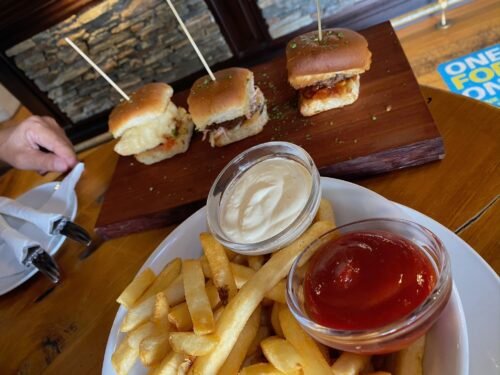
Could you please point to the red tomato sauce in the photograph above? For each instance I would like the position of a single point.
(366, 280)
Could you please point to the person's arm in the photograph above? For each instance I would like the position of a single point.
(20, 146)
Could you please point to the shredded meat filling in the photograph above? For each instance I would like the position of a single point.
(228, 124)
(255, 107)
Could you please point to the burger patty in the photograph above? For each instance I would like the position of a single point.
(230, 124)
(335, 85)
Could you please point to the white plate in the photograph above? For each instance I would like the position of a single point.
(12, 273)
(447, 350)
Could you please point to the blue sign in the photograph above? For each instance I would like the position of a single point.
(476, 75)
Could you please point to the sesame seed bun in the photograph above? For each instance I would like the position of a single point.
(341, 51)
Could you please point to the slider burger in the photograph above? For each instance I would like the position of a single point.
(228, 109)
(326, 72)
(150, 126)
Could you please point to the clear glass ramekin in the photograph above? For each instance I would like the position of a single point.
(398, 334)
(235, 169)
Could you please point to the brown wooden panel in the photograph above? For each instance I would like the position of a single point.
(361, 139)
(242, 24)
(21, 19)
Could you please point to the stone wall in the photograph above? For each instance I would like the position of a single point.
(133, 41)
(286, 16)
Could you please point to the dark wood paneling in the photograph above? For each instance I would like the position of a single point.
(21, 19)
(242, 24)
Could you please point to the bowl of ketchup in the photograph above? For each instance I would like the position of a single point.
(373, 286)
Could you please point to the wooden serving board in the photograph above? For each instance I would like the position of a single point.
(389, 127)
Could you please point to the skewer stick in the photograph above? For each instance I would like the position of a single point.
(318, 10)
(93, 65)
(191, 40)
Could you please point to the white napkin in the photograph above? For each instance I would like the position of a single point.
(44, 221)
(43, 218)
(64, 190)
(16, 242)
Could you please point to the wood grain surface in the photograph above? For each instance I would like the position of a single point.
(388, 128)
(474, 25)
(63, 329)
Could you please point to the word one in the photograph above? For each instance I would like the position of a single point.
(476, 75)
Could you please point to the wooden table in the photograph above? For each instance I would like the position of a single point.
(63, 329)
(475, 25)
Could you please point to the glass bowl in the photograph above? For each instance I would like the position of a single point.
(398, 334)
(233, 171)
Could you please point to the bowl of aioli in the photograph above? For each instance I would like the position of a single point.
(264, 198)
(371, 287)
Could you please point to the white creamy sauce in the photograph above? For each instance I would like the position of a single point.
(266, 199)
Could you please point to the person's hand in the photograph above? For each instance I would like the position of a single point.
(37, 143)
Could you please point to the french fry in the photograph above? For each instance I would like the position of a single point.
(164, 279)
(408, 361)
(135, 337)
(350, 364)
(192, 344)
(218, 312)
(138, 314)
(313, 361)
(175, 291)
(278, 292)
(262, 333)
(136, 288)
(180, 318)
(196, 297)
(170, 364)
(282, 355)
(255, 262)
(222, 277)
(179, 315)
(242, 274)
(124, 358)
(160, 313)
(213, 295)
(154, 348)
(205, 267)
(275, 319)
(240, 349)
(185, 366)
(325, 211)
(260, 369)
(239, 309)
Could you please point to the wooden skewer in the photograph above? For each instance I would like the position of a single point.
(93, 65)
(191, 40)
(318, 10)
